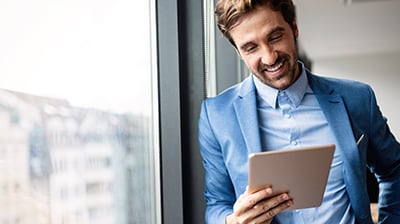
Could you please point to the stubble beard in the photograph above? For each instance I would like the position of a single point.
(285, 79)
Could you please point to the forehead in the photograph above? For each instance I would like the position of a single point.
(260, 21)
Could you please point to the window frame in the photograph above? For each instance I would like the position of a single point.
(169, 111)
(182, 88)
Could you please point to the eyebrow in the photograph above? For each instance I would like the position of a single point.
(270, 33)
(276, 29)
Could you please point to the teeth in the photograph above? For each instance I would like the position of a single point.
(275, 68)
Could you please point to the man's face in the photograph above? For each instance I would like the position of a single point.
(267, 44)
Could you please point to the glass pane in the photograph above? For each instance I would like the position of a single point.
(77, 137)
(209, 49)
(213, 43)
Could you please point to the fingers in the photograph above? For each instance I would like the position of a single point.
(269, 208)
(268, 205)
(260, 207)
(267, 216)
(247, 201)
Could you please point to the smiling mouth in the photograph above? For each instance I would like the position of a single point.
(275, 67)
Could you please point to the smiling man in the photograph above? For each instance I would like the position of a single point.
(267, 44)
(282, 105)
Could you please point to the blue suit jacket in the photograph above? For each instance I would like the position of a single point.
(229, 132)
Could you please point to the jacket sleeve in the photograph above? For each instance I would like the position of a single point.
(219, 193)
(384, 162)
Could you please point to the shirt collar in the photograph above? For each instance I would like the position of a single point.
(295, 92)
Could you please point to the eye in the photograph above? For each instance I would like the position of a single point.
(275, 37)
(249, 48)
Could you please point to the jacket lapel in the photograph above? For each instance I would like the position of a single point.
(338, 118)
(246, 113)
(336, 114)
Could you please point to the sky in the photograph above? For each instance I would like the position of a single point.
(94, 53)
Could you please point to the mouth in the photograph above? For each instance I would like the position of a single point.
(276, 67)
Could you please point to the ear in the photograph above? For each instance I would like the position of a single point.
(295, 29)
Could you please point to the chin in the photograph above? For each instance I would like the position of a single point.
(281, 84)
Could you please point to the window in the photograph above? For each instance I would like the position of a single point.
(78, 112)
(223, 66)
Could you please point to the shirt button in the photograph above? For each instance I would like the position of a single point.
(287, 116)
(294, 142)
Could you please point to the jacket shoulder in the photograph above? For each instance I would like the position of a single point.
(338, 85)
(229, 95)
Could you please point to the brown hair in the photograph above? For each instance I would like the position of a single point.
(229, 12)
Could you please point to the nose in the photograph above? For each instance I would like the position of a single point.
(269, 55)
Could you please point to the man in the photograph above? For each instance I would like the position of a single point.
(283, 105)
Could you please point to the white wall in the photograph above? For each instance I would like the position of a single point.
(381, 71)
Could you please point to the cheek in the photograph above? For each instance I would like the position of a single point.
(289, 47)
(251, 62)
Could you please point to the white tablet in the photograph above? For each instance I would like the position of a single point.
(302, 173)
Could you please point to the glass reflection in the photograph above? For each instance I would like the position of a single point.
(76, 128)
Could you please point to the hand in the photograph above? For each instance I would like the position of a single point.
(258, 207)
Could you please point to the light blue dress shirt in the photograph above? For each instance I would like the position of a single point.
(290, 119)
